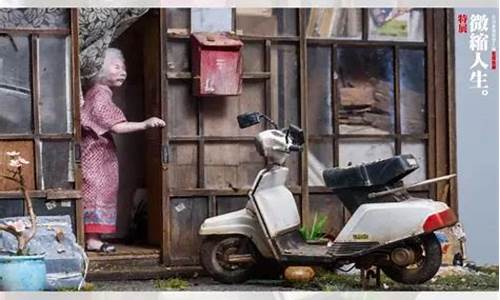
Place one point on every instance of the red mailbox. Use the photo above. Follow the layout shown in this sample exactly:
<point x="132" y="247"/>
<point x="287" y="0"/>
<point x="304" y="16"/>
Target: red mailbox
<point x="216" y="64"/>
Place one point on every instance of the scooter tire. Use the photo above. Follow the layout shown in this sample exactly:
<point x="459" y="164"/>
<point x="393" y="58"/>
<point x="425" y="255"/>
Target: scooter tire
<point x="209" y="261"/>
<point x="425" y="271"/>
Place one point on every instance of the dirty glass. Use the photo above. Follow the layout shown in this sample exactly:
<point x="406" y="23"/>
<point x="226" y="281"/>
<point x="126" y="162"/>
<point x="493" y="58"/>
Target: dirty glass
<point x="364" y="151"/>
<point x="253" y="57"/>
<point x="178" y="20"/>
<point x="55" y="93"/>
<point x="57" y="165"/>
<point x="418" y="149"/>
<point x="15" y="85"/>
<point x="319" y="158"/>
<point x="25" y="148"/>
<point x="319" y="90"/>
<point x="399" y="24"/>
<point x="285" y="94"/>
<point x="267" y="21"/>
<point x="343" y="23"/>
<point x="211" y="20"/>
<point x="178" y="55"/>
<point x="231" y="166"/>
<point x="412" y="91"/>
<point x="365" y="90"/>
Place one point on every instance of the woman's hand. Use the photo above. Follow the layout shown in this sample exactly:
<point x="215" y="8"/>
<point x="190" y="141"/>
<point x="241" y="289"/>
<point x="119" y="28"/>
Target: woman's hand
<point x="154" y="122"/>
<point x="126" y="127"/>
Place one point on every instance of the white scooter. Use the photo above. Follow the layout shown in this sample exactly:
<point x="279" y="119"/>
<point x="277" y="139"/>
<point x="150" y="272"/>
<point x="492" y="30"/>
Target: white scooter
<point x="388" y="228"/>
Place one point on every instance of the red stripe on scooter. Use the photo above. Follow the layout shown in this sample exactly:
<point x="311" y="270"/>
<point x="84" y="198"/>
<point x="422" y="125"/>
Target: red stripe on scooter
<point x="440" y="220"/>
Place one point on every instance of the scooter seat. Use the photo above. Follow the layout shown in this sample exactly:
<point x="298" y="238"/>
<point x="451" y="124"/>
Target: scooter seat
<point x="378" y="173"/>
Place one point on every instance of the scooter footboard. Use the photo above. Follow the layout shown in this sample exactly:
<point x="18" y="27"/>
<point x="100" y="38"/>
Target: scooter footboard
<point x="389" y="222"/>
<point x="241" y="222"/>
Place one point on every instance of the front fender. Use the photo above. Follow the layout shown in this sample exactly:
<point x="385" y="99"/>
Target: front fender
<point x="241" y="222"/>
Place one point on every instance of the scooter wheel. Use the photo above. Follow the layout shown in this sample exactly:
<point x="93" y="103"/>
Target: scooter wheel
<point x="214" y="254"/>
<point x="424" y="269"/>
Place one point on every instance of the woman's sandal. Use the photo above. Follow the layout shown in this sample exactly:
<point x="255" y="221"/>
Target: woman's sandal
<point x="105" y="248"/>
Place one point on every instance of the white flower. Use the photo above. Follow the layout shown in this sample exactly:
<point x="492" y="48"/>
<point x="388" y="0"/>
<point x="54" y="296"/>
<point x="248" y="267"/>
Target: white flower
<point x="13" y="154"/>
<point x="15" y="163"/>
<point x="18" y="226"/>
<point x="23" y="161"/>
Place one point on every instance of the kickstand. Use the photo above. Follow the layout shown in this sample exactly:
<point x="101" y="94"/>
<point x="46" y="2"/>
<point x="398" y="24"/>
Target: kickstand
<point x="367" y="274"/>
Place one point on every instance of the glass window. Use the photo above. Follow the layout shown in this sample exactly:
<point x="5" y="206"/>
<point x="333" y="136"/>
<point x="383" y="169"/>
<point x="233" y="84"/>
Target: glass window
<point x="319" y="90"/>
<point x="417" y="149"/>
<point x="178" y="20"/>
<point x="364" y="151"/>
<point x="334" y="23"/>
<point x="27" y="152"/>
<point x="366" y="90"/>
<point x="406" y="24"/>
<point x="412" y="91"/>
<point x="57" y="165"/>
<point x="267" y="21"/>
<point x="211" y="19"/>
<point x="320" y="157"/>
<point x="55" y="96"/>
<point x="15" y="85"/>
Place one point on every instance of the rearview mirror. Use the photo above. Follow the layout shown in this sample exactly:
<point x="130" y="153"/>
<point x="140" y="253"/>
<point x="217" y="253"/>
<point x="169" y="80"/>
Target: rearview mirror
<point x="248" y="119"/>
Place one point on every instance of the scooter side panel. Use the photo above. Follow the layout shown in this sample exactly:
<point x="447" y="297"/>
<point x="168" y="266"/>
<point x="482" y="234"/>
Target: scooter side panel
<point x="276" y="203"/>
<point x="388" y="222"/>
<point x="238" y="222"/>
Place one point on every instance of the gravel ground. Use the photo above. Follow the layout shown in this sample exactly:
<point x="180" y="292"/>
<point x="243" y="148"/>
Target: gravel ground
<point x="198" y="284"/>
<point x="448" y="279"/>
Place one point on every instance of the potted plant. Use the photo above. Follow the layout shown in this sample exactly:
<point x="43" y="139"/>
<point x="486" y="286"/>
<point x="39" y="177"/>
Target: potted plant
<point x="21" y="271"/>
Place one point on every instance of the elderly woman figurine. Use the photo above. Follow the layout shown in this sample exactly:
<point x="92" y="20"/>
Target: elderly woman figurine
<point x="100" y="117"/>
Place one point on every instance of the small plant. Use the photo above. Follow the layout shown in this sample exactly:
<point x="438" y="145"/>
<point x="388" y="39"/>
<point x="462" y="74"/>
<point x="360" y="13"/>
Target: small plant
<point x="171" y="284"/>
<point x="317" y="230"/>
<point x="22" y="231"/>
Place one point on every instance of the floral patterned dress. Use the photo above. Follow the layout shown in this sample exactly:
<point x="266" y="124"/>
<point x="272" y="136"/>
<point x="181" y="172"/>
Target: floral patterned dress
<point x="99" y="160"/>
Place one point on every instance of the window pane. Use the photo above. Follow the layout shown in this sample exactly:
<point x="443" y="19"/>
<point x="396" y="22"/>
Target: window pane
<point x="15" y="85"/>
<point x="285" y="95"/>
<point x="357" y="152"/>
<point x="57" y="165"/>
<point x="182" y="109"/>
<point x="285" y="80"/>
<point x="418" y="149"/>
<point x="412" y="95"/>
<point x="55" y="97"/>
<point x="366" y="90"/>
<point x="183" y="171"/>
<point x="266" y="21"/>
<point x="230" y="204"/>
<point x="396" y="24"/>
<point x="253" y="57"/>
<point x="178" y="54"/>
<point x="219" y="113"/>
<point x="30" y="18"/>
<point x="231" y="165"/>
<point x="334" y="23"/>
<point x="319" y="158"/>
<point x="211" y="19"/>
<point x="11" y="208"/>
<point x="26" y="150"/>
<point x="320" y="90"/>
<point x="178" y="20"/>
